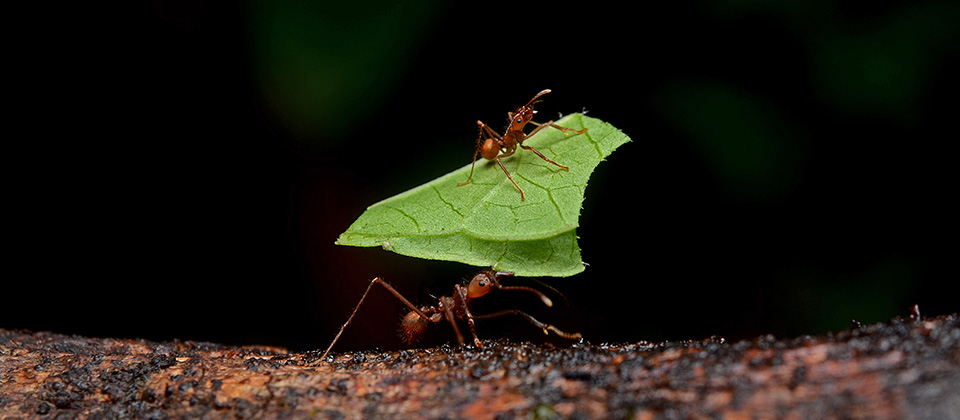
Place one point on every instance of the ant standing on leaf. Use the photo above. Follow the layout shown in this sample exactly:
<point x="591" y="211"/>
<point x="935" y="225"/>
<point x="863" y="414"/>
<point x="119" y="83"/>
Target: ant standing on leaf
<point x="456" y="307"/>
<point x="497" y="146"/>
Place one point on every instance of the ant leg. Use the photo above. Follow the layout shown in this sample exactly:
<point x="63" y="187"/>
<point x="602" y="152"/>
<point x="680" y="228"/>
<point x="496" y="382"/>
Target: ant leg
<point x="376" y="280"/>
<point x="461" y="293"/>
<point x="446" y="305"/>
<point x="544" y="157"/>
<point x="547" y="328"/>
<point x="541" y="127"/>
<point x="472" y="165"/>
<point x="551" y="124"/>
<point x="489" y="131"/>
<point x="484" y="129"/>
<point x="508" y="173"/>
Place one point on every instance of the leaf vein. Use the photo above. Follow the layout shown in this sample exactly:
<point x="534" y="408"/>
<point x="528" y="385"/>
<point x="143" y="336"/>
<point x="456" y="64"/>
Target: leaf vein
<point x="404" y="214"/>
<point x="444" y="201"/>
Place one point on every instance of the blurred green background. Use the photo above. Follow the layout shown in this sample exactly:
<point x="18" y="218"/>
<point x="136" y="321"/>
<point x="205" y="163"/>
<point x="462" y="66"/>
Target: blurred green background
<point x="180" y="169"/>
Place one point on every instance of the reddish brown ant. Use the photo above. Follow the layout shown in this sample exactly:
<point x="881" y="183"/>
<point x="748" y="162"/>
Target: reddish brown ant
<point x="456" y="307"/>
<point x="496" y="146"/>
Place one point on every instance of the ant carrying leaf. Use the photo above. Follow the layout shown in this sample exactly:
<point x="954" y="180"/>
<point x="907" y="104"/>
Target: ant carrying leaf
<point x="454" y="308"/>
<point x="498" y="146"/>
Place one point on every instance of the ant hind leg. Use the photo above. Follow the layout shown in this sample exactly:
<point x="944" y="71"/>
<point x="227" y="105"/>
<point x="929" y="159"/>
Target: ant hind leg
<point x="394" y="292"/>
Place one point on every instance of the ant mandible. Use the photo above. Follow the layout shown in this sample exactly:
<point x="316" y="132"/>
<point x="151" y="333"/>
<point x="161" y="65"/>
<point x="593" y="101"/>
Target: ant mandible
<point x="497" y="146"/>
<point x="456" y="307"/>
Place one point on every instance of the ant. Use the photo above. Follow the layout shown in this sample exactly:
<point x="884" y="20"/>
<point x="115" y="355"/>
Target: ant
<point x="497" y="146"/>
<point x="455" y="307"/>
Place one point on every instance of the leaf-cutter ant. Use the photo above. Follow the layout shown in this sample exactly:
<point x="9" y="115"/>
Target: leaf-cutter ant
<point x="454" y="308"/>
<point x="496" y="146"/>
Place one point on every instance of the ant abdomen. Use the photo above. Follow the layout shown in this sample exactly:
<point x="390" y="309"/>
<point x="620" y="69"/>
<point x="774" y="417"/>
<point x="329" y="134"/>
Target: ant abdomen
<point x="490" y="149"/>
<point x="413" y="326"/>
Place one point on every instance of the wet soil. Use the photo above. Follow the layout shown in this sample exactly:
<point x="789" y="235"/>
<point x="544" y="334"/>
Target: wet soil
<point x="904" y="368"/>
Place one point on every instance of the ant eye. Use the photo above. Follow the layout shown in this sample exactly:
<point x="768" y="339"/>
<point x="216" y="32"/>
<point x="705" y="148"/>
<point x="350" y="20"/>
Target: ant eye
<point x="482" y="284"/>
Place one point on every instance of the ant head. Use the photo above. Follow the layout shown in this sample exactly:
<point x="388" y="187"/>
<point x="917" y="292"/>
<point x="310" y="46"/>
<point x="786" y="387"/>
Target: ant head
<point x="524" y="114"/>
<point x="484" y="282"/>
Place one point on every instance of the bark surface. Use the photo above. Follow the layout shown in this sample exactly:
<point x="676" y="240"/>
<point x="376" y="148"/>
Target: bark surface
<point x="905" y="368"/>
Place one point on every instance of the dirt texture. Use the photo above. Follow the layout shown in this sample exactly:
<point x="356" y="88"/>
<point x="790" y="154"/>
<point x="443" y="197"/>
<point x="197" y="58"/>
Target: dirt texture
<point x="904" y="368"/>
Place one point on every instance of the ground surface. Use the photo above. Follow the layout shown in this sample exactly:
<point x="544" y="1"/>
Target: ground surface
<point x="905" y="368"/>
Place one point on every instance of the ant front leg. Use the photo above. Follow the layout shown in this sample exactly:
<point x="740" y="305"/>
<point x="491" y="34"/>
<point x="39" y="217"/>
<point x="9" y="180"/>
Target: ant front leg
<point x="461" y="295"/>
<point x="447" y="307"/>
<point x="376" y="280"/>
<point x="542" y="126"/>
<point x="551" y="124"/>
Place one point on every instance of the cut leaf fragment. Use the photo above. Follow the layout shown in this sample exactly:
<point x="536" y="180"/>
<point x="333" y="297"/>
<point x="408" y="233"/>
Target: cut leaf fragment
<point x="484" y="223"/>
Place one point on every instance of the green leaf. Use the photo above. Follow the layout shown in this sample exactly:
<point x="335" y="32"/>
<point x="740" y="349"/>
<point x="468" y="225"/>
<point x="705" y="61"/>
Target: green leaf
<point x="484" y="223"/>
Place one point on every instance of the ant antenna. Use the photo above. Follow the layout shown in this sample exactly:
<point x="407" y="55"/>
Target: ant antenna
<point x="546" y="300"/>
<point x="554" y="290"/>
<point x="542" y="92"/>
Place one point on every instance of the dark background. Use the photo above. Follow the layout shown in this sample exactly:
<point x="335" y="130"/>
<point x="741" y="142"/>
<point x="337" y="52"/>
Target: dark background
<point x="180" y="170"/>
